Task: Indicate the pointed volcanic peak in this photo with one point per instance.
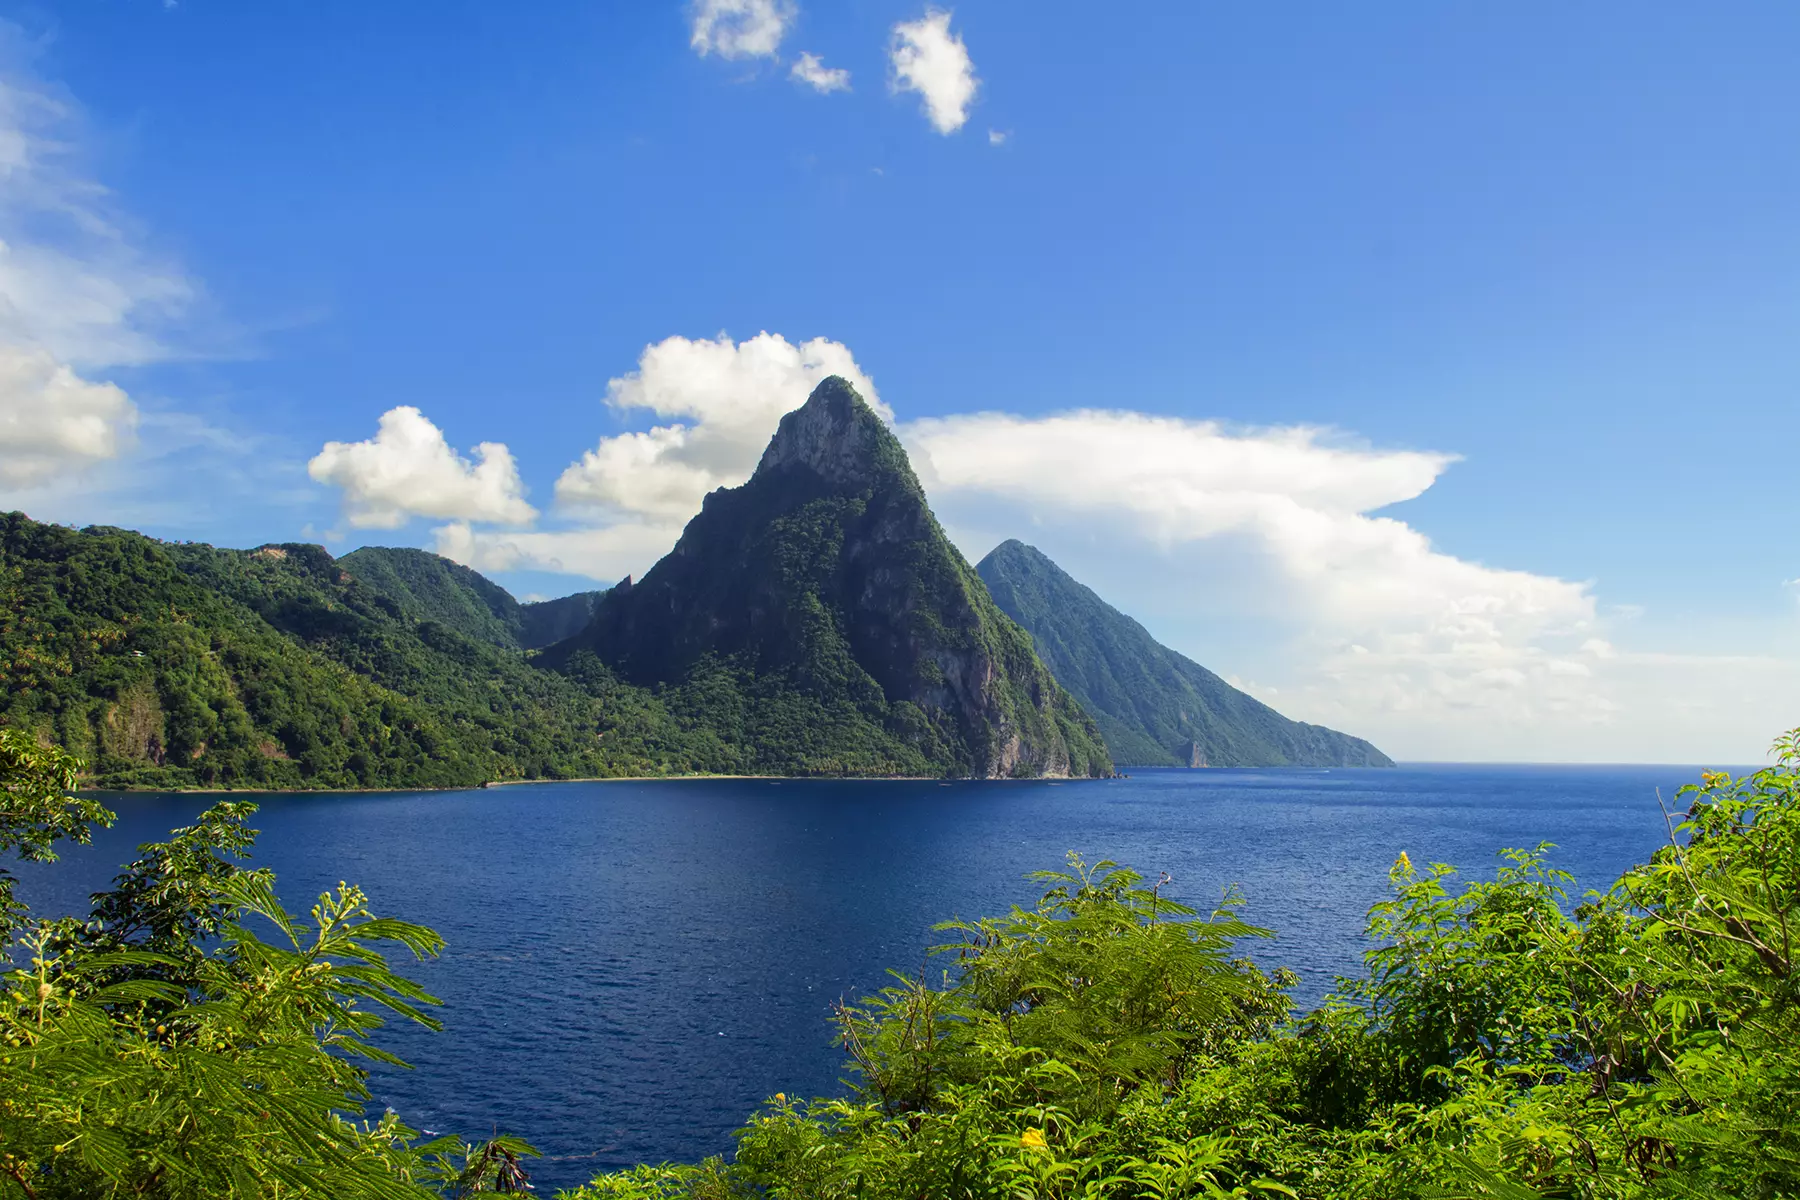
(1154, 706)
(818, 620)
(836, 436)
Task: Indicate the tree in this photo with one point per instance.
(163, 1048)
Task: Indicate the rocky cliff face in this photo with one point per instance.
(827, 578)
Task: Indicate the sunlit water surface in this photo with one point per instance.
(633, 966)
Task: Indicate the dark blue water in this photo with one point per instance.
(633, 966)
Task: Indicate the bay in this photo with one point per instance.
(632, 967)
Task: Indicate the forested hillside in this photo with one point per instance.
(178, 665)
(428, 587)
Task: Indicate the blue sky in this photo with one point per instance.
(1440, 363)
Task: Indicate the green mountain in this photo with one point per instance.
(180, 665)
(430, 588)
(830, 625)
(1155, 707)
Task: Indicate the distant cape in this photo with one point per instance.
(1153, 706)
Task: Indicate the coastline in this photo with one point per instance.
(500, 783)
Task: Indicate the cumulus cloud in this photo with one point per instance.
(407, 469)
(76, 294)
(740, 28)
(928, 59)
(812, 71)
(51, 418)
(727, 398)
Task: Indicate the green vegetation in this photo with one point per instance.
(813, 622)
(818, 619)
(169, 665)
(1106, 1043)
(427, 587)
(166, 1048)
(1155, 707)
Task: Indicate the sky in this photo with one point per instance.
(1430, 371)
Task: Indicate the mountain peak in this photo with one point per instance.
(835, 433)
(823, 612)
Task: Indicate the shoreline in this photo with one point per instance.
(502, 783)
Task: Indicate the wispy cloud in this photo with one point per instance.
(737, 29)
(77, 294)
(812, 71)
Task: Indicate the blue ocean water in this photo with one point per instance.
(632, 967)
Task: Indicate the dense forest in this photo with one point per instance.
(182, 665)
(428, 587)
(192, 1039)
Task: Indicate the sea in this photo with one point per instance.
(632, 967)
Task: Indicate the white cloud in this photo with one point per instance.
(407, 469)
(740, 28)
(1381, 622)
(76, 294)
(997, 137)
(812, 71)
(930, 60)
(730, 397)
(51, 419)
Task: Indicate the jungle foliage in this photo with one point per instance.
(429, 587)
(191, 1039)
(1644, 1042)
